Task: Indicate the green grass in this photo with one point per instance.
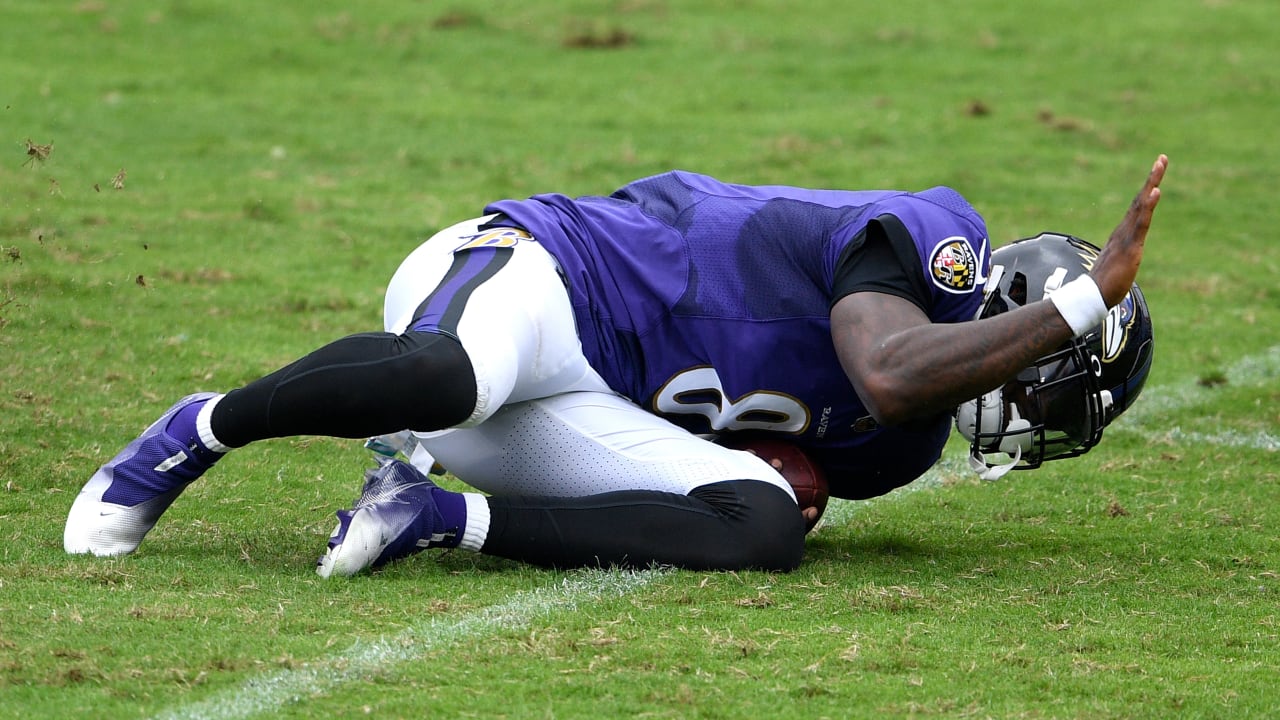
(281, 158)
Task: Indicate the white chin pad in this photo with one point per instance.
(1019, 442)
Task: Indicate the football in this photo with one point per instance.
(806, 477)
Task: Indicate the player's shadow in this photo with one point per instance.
(878, 549)
(947, 552)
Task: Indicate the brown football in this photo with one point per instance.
(806, 477)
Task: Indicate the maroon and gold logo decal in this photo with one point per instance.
(954, 266)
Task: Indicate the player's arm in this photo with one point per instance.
(904, 367)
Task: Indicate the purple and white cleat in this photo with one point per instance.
(125, 497)
(395, 517)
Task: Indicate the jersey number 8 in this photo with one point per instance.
(699, 391)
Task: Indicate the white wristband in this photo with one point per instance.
(1080, 303)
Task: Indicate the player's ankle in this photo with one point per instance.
(463, 519)
(190, 426)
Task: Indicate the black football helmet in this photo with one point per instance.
(1058, 407)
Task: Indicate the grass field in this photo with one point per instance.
(194, 192)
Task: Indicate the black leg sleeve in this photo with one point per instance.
(359, 386)
(731, 525)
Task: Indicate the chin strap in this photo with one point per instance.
(978, 463)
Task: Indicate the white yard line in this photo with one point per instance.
(268, 693)
(1258, 440)
(1254, 371)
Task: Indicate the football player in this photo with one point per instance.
(570, 357)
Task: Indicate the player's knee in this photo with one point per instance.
(780, 547)
(437, 379)
(768, 529)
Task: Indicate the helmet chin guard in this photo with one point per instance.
(1056, 408)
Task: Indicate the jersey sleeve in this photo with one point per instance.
(937, 255)
(882, 258)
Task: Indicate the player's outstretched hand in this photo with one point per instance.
(1117, 266)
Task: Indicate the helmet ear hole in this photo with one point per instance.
(967, 420)
(982, 417)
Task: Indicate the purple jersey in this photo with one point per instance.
(708, 303)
